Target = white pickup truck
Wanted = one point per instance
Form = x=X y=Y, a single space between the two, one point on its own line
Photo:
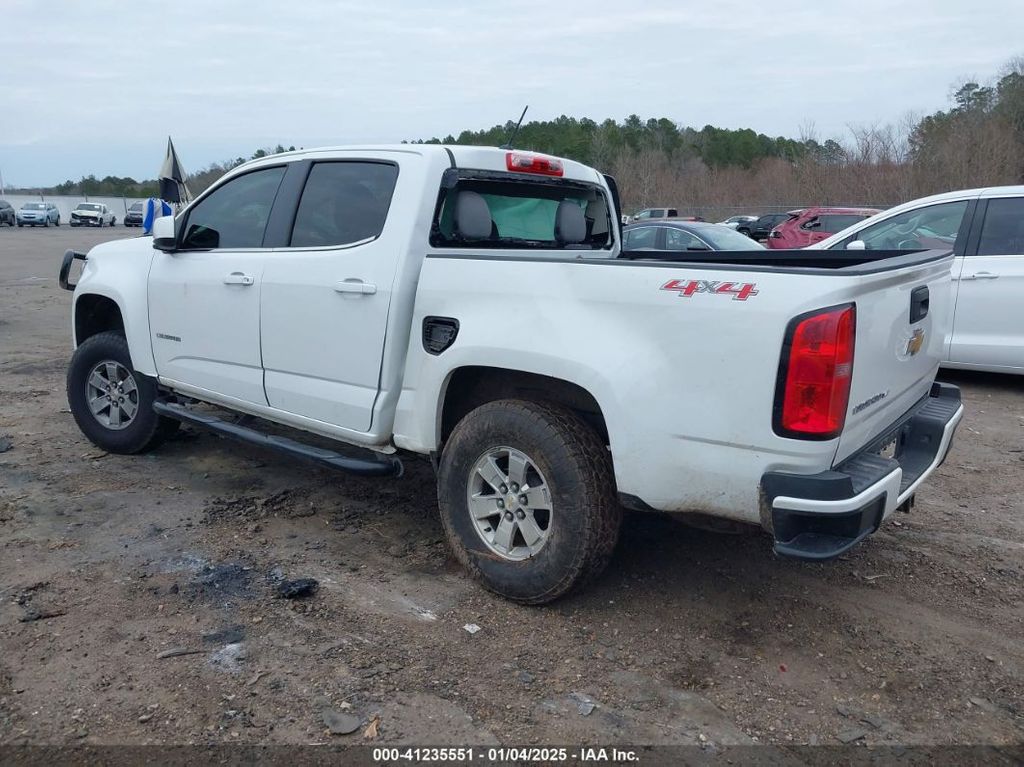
x=474 y=305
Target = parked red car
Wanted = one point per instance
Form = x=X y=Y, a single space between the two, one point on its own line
x=812 y=225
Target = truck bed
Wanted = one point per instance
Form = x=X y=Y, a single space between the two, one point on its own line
x=811 y=261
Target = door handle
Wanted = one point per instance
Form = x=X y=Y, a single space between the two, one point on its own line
x=355 y=285
x=981 y=276
x=238 y=278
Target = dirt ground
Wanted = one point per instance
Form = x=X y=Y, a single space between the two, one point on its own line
x=107 y=563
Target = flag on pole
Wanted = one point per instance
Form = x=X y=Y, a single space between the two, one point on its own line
x=172 y=177
x=154 y=209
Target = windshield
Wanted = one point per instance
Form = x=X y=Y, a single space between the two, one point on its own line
x=724 y=238
x=33 y=206
x=135 y=206
x=523 y=214
x=87 y=206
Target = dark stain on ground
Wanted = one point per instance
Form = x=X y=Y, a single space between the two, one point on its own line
x=215 y=583
x=229 y=635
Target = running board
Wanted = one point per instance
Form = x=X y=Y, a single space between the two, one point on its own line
x=385 y=467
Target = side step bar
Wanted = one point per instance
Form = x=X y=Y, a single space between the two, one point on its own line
x=383 y=467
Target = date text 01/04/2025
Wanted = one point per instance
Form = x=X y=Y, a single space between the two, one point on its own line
x=504 y=754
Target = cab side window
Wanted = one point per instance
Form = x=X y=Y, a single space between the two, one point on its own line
x=644 y=238
x=838 y=222
x=235 y=214
x=1002 y=234
x=677 y=239
x=343 y=203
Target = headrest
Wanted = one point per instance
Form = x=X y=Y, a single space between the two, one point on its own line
x=472 y=217
x=570 y=223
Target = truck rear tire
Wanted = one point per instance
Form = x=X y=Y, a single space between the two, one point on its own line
x=111 y=402
x=527 y=498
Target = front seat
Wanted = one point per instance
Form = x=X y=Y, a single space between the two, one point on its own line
x=570 y=223
x=472 y=219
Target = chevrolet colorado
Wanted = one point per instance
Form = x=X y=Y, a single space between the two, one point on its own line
x=475 y=305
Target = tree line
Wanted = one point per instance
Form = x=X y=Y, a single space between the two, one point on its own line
x=114 y=186
x=977 y=141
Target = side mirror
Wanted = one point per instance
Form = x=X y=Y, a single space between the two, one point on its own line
x=856 y=245
x=163 y=234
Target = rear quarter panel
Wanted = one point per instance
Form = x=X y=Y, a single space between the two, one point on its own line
x=686 y=384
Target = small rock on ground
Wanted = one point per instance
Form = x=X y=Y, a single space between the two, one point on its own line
x=340 y=723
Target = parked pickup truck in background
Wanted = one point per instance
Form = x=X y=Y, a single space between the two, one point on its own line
x=474 y=305
x=985 y=230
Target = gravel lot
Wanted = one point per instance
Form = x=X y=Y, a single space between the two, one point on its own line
x=107 y=563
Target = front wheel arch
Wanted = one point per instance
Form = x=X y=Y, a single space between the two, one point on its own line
x=96 y=314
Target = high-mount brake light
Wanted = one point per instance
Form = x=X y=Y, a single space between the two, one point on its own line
x=529 y=163
x=813 y=390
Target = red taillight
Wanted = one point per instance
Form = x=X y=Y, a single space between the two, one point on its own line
x=814 y=387
x=529 y=163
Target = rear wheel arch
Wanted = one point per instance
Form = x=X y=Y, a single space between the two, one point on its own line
x=96 y=314
x=470 y=387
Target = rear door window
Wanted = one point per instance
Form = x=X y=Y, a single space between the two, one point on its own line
x=1002 y=234
x=343 y=203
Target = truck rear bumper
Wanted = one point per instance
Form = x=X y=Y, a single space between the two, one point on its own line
x=820 y=516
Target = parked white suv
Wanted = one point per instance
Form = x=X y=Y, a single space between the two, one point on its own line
x=985 y=229
x=92 y=214
x=474 y=305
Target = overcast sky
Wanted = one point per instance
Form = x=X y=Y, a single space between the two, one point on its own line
x=96 y=87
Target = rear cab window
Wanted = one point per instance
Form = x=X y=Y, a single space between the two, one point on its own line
x=510 y=212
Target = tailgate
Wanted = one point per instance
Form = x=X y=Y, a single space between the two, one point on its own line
x=903 y=317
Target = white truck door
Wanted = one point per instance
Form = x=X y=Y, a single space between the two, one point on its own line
x=204 y=298
x=325 y=297
x=988 y=326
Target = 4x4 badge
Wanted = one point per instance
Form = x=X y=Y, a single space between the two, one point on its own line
x=687 y=288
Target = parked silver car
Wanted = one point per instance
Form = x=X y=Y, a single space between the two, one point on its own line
x=684 y=235
x=38 y=214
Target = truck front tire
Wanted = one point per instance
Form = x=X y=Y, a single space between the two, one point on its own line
x=111 y=402
x=527 y=498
